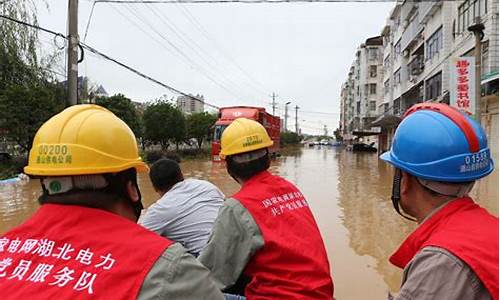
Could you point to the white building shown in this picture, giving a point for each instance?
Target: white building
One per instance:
(420, 41)
(189, 105)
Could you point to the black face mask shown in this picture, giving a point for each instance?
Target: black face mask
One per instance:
(119, 186)
(396, 193)
(137, 205)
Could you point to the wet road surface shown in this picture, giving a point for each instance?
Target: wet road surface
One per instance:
(348, 193)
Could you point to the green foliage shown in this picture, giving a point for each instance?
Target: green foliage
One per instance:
(199, 126)
(19, 61)
(289, 138)
(24, 109)
(124, 109)
(338, 135)
(163, 124)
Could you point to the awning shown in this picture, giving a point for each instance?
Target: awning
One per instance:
(387, 121)
(489, 77)
(365, 133)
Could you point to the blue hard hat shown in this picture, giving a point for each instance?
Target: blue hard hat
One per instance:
(437, 142)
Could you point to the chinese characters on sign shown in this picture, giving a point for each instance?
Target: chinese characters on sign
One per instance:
(462, 88)
(278, 205)
(58, 274)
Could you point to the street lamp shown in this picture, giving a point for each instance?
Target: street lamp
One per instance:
(477, 28)
(286, 115)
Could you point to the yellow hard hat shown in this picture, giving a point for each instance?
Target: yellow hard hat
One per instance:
(83, 139)
(244, 135)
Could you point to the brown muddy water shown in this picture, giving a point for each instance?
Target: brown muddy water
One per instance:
(347, 192)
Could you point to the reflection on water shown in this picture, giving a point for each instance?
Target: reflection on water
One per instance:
(348, 193)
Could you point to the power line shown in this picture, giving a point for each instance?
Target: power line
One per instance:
(88, 22)
(190, 62)
(95, 51)
(33, 26)
(218, 47)
(197, 49)
(123, 65)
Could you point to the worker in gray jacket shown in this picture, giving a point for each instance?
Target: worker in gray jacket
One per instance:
(438, 153)
(84, 242)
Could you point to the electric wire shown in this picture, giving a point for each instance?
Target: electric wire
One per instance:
(194, 47)
(190, 62)
(218, 47)
(107, 57)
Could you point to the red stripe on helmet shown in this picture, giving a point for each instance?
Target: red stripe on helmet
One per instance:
(453, 114)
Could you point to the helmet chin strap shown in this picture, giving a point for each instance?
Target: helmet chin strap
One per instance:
(396, 194)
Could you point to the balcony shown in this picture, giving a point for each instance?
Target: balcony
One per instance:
(411, 35)
(427, 9)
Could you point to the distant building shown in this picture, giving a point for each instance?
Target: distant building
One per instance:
(189, 105)
(420, 41)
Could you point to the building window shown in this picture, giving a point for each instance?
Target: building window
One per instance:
(373, 71)
(387, 62)
(373, 88)
(397, 106)
(373, 105)
(434, 43)
(484, 57)
(468, 11)
(372, 53)
(387, 86)
(397, 77)
(397, 48)
(433, 87)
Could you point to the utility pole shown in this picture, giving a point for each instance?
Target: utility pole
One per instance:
(477, 29)
(274, 102)
(286, 115)
(72, 52)
(296, 119)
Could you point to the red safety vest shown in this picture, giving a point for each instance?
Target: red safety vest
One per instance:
(293, 263)
(74, 252)
(464, 229)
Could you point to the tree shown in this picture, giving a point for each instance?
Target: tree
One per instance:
(20, 63)
(124, 109)
(338, 135)
(289, 138)
(163, 123)
(29, 94)
(24, 109)
(199, 126)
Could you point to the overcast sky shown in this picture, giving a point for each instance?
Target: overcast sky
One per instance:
(232, 54)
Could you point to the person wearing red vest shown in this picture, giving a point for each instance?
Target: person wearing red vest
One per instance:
(84, 242)
(438, 153)
(265, 243)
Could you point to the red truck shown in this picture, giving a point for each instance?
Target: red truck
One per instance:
(259, 114)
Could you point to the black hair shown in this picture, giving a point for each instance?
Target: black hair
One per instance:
(249, 169)
(165, 173)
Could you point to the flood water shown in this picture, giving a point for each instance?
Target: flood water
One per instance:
(348, 193)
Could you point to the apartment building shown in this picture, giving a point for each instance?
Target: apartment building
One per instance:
(189, 105)
(421, 40)
(362, 92)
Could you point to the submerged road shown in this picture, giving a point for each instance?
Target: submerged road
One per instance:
(348, 193)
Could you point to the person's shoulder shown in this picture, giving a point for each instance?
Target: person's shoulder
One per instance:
(202, 183)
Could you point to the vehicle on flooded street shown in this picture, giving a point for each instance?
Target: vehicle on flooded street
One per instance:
(227, 115)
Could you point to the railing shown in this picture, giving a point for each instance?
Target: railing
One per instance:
(411, 33)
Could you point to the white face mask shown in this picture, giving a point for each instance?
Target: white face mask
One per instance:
(63, 184)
